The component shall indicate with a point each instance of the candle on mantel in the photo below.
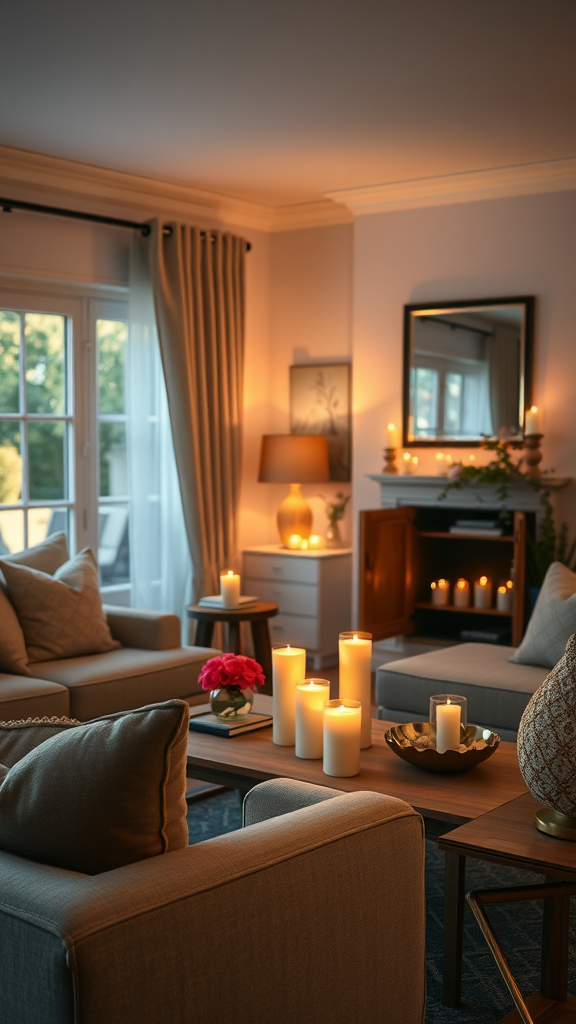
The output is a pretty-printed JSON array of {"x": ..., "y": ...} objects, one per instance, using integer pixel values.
[
  {"x": 407, "y": 462},
  {"x": 342, "y": 726},
  {"x": 505, "y": 597},
  {"x": 230, "y": 589},
  {"x": 461, "y": 598},
  {"x": 414, "y": 463},
  {"x": 391, "y": 436},
  {"x": 447, "y": 727},
  {"x": 311, "y": 696},
  {"x": 288, "y": 669},
  {"x": 533, "y": 420},
  {"x": 483, "y": 593},
  {"x": 441, "y": 464},
  {"x": 355, "y": 674},
  {"x": 440, "y": 593}
]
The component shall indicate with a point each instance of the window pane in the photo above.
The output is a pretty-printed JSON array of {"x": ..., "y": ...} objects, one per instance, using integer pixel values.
[
  {"x": 425, "y": 402},
  {"x": 453, "y": 404},
  {"x": 113, "y": 548},
  {"x": 10, "y": 464},
  {"x": 46, "y": 460},
  {"x": 9, "y": 361},
  {"x": 42, "y": 522},
  {"x": 111, "y": 338},
  {"x": 45, "y": 363},
  {"x": 113, "y": 469},
  {"x": 11, "y": 531}
]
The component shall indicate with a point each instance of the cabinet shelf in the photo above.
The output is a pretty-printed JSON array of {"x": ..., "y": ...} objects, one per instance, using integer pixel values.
[
  {"x": 508, "y": 537},
  {"x": 463, "y": 611}
]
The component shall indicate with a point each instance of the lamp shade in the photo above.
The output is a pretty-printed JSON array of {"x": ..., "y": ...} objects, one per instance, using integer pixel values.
[{"x": 294, "y": 458}]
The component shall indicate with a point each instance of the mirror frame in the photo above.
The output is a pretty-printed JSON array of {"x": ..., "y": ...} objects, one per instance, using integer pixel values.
[{"x": 525, "y": 396}]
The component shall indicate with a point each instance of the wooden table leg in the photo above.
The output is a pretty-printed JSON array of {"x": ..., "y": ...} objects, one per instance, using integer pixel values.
[
  {"x": 555, "y": 948},
  {"x": 204, "y": 633},
  {"x": 263, "y": 650},
  {"x": 454, "y": 886},
  {"x": 233, "y": 637}
]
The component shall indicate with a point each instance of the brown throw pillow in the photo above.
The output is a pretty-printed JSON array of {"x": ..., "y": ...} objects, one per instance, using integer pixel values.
[
  {"x": 20, "y": 737},
  {"x": 47, "y": 556},
  {"x": 104, "y": 794},
  {"x": 61, "y": 615}
]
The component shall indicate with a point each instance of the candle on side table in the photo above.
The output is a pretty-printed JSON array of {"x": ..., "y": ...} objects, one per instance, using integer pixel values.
[
  {"x": 288, "y": 669},
  {"x": 342, "y": 725},
  {"x": 311, "y": 696},
  {"x": 355, "y": 675},
  {"x": 461, "y": 598},
  {"x": 483, "y": 593},
  {"x": 230, "y": 589},
  {"x": 440, "y": 593}
]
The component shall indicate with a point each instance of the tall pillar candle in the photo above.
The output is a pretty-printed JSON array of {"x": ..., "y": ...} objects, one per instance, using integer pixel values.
[
  {"x": 440, "y": 593},
  {"x": 288, "y": 669},
  {"x": 355, "y": 676},
  {"x": 230, "y": 589},
  {"x": 342, "y": 728},
  {"x": 461, "y": 596},
  {"x": 447, "y": 727},
  {"x": 483, "y": 593},
  {"x": 505, "y": 597},
  {"x": 311, "y": 696}
]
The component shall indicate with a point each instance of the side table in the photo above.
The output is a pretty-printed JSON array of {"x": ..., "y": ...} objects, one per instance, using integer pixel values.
[{"x": 257, "y": 614}]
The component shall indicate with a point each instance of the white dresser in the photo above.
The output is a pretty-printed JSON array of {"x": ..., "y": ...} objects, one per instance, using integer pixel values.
[{"x": 313, "y": 592}]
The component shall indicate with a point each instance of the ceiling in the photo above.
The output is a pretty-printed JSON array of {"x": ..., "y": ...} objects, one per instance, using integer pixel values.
[{"x": 278, "y": 102}]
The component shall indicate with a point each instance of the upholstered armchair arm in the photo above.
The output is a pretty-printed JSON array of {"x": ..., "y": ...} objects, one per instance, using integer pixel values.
[
  {"x": 280, "y": 796},
  {"x": 150, "y": 631},
  {"x": 312, "y": 916}
]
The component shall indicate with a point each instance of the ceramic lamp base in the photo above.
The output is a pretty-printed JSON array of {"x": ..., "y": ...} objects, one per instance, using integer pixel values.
[
  {"x": 294, "y": 516},
  {"x": 555, "y": 824}
]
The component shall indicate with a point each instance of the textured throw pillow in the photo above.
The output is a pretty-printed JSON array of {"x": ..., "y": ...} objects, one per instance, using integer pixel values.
[
  {"x": 61, "y": 615},
  {"x": 47, "y": 556},
  {"x": 104, "y": 794},
  {"x": 553, "y": 620},
  {"x": 20, "y": 737},
  {"x": 547, "y": 737}
]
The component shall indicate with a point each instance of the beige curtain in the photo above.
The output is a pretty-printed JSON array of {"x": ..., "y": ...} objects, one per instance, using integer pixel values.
[{"x": 198, "y": 285}]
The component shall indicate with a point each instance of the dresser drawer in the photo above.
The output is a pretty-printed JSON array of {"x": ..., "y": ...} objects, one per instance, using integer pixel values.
[
  {"x": 281, "y": 567},
  {"x": 295, "y": 630},
  {"x": 291, "y": 598}
]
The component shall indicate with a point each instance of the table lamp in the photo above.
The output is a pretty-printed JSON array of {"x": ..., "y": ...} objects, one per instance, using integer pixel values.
[{"x": 284, "y": 459}]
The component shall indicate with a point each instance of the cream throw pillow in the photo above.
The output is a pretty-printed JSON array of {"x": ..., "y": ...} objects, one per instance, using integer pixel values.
[
  {"x": 553, "y": 620},
  {"x": 47, "y": 557},
  {"x": 61, "y": 615}
]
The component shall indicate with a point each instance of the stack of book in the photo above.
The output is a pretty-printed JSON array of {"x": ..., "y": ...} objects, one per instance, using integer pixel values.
[
  {"x": 477, "y": 527},
  {"x": 217, "y": 601}
]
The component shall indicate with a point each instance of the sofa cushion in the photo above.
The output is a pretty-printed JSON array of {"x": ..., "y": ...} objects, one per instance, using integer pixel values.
[
  {"x": 127, "y": 678},
  {"x": 18, "y": 738},
  {"x": 61, "y": 615},
  {"x": 47, "y": 556},
  {"x": 102, "y": 794},
  {"x": 553, "y": 620},
  {"x": 497, "y": 691},
  {"x": 21, "y": 696}
]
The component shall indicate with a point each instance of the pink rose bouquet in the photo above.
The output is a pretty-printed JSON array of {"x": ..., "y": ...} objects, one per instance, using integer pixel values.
[{"x": 231, "y": 670}]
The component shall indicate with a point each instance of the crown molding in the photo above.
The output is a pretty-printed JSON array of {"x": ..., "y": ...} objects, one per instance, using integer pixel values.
[
  {"x": 137, "y": 197},
  {"x": 468, "y": 187}
]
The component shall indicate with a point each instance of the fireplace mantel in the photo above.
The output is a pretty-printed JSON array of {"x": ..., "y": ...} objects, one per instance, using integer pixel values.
[{"x": 398, "y": 490}]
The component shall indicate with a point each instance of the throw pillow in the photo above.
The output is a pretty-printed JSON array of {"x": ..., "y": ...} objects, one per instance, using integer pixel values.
[
  {"x": 553, "y": 620},
  {"x": 104, "y": 794},
  {"x": 547, "y": 737},
  {"x": 20, "y": 737},
  {"x": 47, "y": 556},
  {"x": 61, "y": 615}
]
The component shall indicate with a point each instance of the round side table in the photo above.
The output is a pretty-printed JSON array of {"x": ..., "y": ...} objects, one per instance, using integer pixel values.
[{"x": 257, "y": 614}]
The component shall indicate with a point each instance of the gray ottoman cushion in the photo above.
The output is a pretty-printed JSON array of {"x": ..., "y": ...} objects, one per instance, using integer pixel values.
[{"x": 497, "y": 690}]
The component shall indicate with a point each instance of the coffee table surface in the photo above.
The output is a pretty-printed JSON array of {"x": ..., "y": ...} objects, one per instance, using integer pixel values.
[{"x": 253, "y": 757}]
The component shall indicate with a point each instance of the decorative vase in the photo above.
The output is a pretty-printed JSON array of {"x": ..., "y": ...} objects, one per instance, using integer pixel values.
[
  {"x": 231, "y": 703},
  {"x": 547, "y": 747},
  {"x": 333, "y": 538}
]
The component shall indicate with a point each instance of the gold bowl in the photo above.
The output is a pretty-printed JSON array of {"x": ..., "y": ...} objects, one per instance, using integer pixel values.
[{"x": 414, "y": 742}]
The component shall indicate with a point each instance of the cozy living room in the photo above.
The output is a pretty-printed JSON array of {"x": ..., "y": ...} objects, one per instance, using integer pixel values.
[{"x": 288, "y": 513}]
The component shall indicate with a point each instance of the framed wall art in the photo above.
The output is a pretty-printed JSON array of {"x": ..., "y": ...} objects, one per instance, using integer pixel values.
[{"x": 320, "y": 404}]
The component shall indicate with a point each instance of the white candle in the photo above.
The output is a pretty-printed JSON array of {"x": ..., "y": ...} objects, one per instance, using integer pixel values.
[
  {"x": 440, "y": 593},
  {"x": 288, "y": 669},
  {"x": 391, "y": 436},
  {"x": 230, "y": 589},
  {"x": 504, "y": 598},
  {"x": 461, "y": 598},
  {"x": 414, "y": 463},
  {"x": 294, "y": 541},
  {"x": 483, "y": 593},
  {"x": 311, "y": 696},
  {"x": 441, "y": 464},
  {"x": 407, "y": 462},
  {"x": 342, "y": 727},
  {"x": 447, "y": 727},
  {"x": 355, "y": 675},
  {"x": 533, "y": 420},
  {"x": 314, "y": 541}
]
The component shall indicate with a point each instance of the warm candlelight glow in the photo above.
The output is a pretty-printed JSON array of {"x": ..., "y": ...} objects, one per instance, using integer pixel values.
[
  {"x": 294, "y": 541},
  {"x": 483, "y": 581},
  {"x": 461, "y": 584},
  {"x": 509, "y": 584}
]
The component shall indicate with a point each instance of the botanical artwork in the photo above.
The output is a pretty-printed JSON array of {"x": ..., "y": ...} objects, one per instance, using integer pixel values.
[{"x": 320, "y": 404}]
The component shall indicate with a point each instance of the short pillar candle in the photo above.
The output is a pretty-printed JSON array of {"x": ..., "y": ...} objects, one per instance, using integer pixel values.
[
  {"x": 355, "y": 676},
  {"x": 230, "y": 589},
  {"x": 461, "y": 597},
  {"x": 311, "y": 696},
  {"x": 483, "y": 593},
  {"x": 505, "y": 597},
  {"x": 440, "y": 593},
  {"x": 447, "y": 717},
  {"x": 288, "y": 669},
  {"x": 342, "y": 725}
]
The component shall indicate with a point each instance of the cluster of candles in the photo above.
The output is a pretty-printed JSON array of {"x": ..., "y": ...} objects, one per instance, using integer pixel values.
[
  {"x": 440, "y": 594},
  {"x": 306, "y": 718},
  {"x": 298, "y": 543}
]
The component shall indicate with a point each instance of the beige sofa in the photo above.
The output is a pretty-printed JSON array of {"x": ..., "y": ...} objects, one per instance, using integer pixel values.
[
  {"x": 151, "y": 666},
  {"x": 314, "y": 913}
]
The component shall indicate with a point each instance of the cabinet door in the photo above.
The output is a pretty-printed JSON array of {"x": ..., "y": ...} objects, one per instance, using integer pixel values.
[
  {"x": 519, "y": 578},
  {"x": 386, "y": 571}
]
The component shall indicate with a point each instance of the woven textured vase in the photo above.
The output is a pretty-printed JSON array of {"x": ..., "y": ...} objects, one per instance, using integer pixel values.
[{"x": 547, "y": 737}]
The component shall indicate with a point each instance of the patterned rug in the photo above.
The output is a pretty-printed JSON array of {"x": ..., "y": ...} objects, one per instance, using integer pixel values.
[{"x": 518, "y": 927}]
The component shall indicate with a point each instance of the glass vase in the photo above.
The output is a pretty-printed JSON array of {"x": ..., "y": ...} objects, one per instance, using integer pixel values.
[
  {"x": 231, "y": 703},
  {"x": 333, "y": 537}
]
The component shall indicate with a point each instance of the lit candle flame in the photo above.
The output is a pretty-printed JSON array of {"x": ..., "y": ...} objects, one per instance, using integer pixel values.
[
  {"x": 509, "y": 584},
  {"x": 230, "y": 572},
  {"x": 433, "y": 586},
  {"x": 461, "y": 584},
  {"x": 483, "y": 581},
  {"x": 534, "y": 408}
]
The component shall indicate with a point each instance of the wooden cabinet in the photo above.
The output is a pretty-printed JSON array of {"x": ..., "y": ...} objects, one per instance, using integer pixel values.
[
  {"x": 313, "y": 592},
  {"x": 403, "y": 549}
]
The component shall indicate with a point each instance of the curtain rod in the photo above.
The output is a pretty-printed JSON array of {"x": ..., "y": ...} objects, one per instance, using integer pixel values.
[
  {"x": 8, "y": 205},
  {"x": 457, "y": 327}
]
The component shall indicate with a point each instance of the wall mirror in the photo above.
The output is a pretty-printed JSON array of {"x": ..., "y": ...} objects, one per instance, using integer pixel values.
[{"x": 467, "y": 370}]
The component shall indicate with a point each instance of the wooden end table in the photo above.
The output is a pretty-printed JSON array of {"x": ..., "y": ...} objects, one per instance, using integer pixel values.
[{"x": 257, "y": 614}]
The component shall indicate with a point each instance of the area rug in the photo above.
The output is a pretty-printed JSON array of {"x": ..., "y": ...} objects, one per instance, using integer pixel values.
[{"x": 485, "y": 998}]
